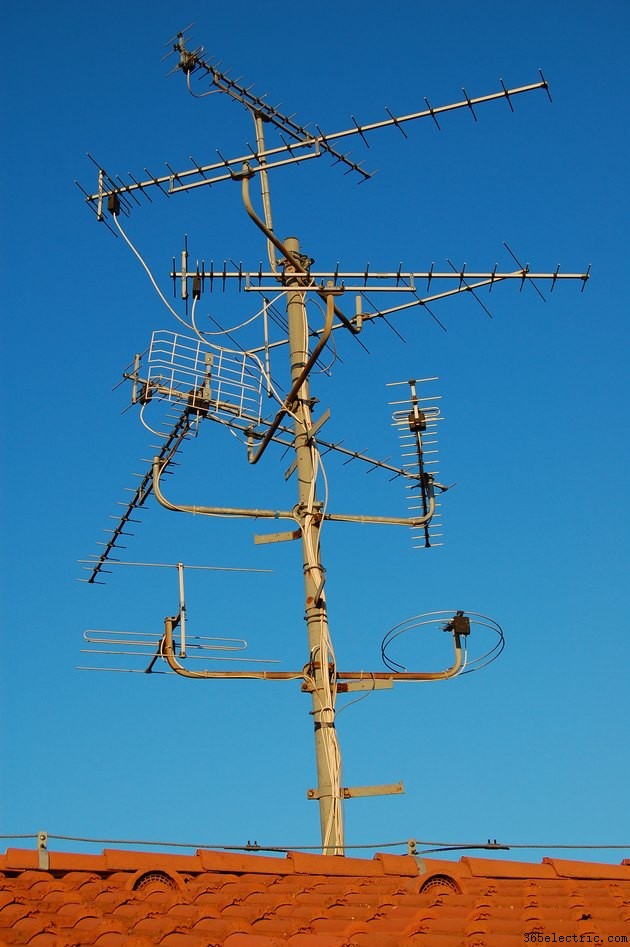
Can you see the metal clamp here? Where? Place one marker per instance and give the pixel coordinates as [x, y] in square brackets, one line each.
[42, 851]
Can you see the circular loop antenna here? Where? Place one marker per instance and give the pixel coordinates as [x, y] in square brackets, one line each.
[444, 620]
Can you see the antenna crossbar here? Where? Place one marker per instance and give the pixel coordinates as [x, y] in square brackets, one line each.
[367, 281]
[463, 287]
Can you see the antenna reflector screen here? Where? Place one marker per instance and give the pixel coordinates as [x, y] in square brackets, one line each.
[211, 379]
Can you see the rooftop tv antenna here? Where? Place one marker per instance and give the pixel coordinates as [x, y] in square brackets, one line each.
[204, 376]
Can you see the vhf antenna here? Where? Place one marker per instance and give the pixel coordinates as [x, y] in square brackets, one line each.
[232, 384]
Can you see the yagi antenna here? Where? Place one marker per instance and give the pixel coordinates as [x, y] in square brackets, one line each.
[416, 419]
[191, 61]
[172, 442]
[230, 376]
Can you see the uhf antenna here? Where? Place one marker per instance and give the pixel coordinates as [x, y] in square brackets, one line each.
[190, 377]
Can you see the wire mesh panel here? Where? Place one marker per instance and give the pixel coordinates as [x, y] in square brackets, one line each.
[210, 378]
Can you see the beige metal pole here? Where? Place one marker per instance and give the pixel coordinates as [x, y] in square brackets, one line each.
[322, 682]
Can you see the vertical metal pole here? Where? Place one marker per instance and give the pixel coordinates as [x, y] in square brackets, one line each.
[322, 685]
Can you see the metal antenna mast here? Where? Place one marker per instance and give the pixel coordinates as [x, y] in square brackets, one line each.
[205, 380]
[321, 678]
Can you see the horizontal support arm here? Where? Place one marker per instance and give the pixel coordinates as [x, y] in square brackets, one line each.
[167, 651]
[413, 522]
[236, 512]
[158, 469]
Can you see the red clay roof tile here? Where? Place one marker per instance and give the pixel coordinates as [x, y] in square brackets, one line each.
[43, 939]
[275, 926]
[122, 940]
[84, 922]
[487, 868]
[398, 865]
[367, 939]
[220, 928]
[184, 939]
[21, 860]
[215, 899]
[254, 940]
[185, 911]
[573, 869]
[28, 924]
[226, 862]
[249, 912]
[304, 939]
[304, 863]
[13, 912]
[71, 862]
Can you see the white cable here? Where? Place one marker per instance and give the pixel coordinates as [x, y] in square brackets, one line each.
[232, 431]
[465, 662]
[192, 319]
[148, 272]
[163, 434]
[326, 370]
[357, 699]
[145, 424]
[235, 328]
[199, 95]
[240, 353]
[194, 327]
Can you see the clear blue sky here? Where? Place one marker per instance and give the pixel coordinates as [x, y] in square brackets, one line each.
[533, 749]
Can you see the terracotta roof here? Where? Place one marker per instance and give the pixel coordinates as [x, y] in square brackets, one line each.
[140, 899]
